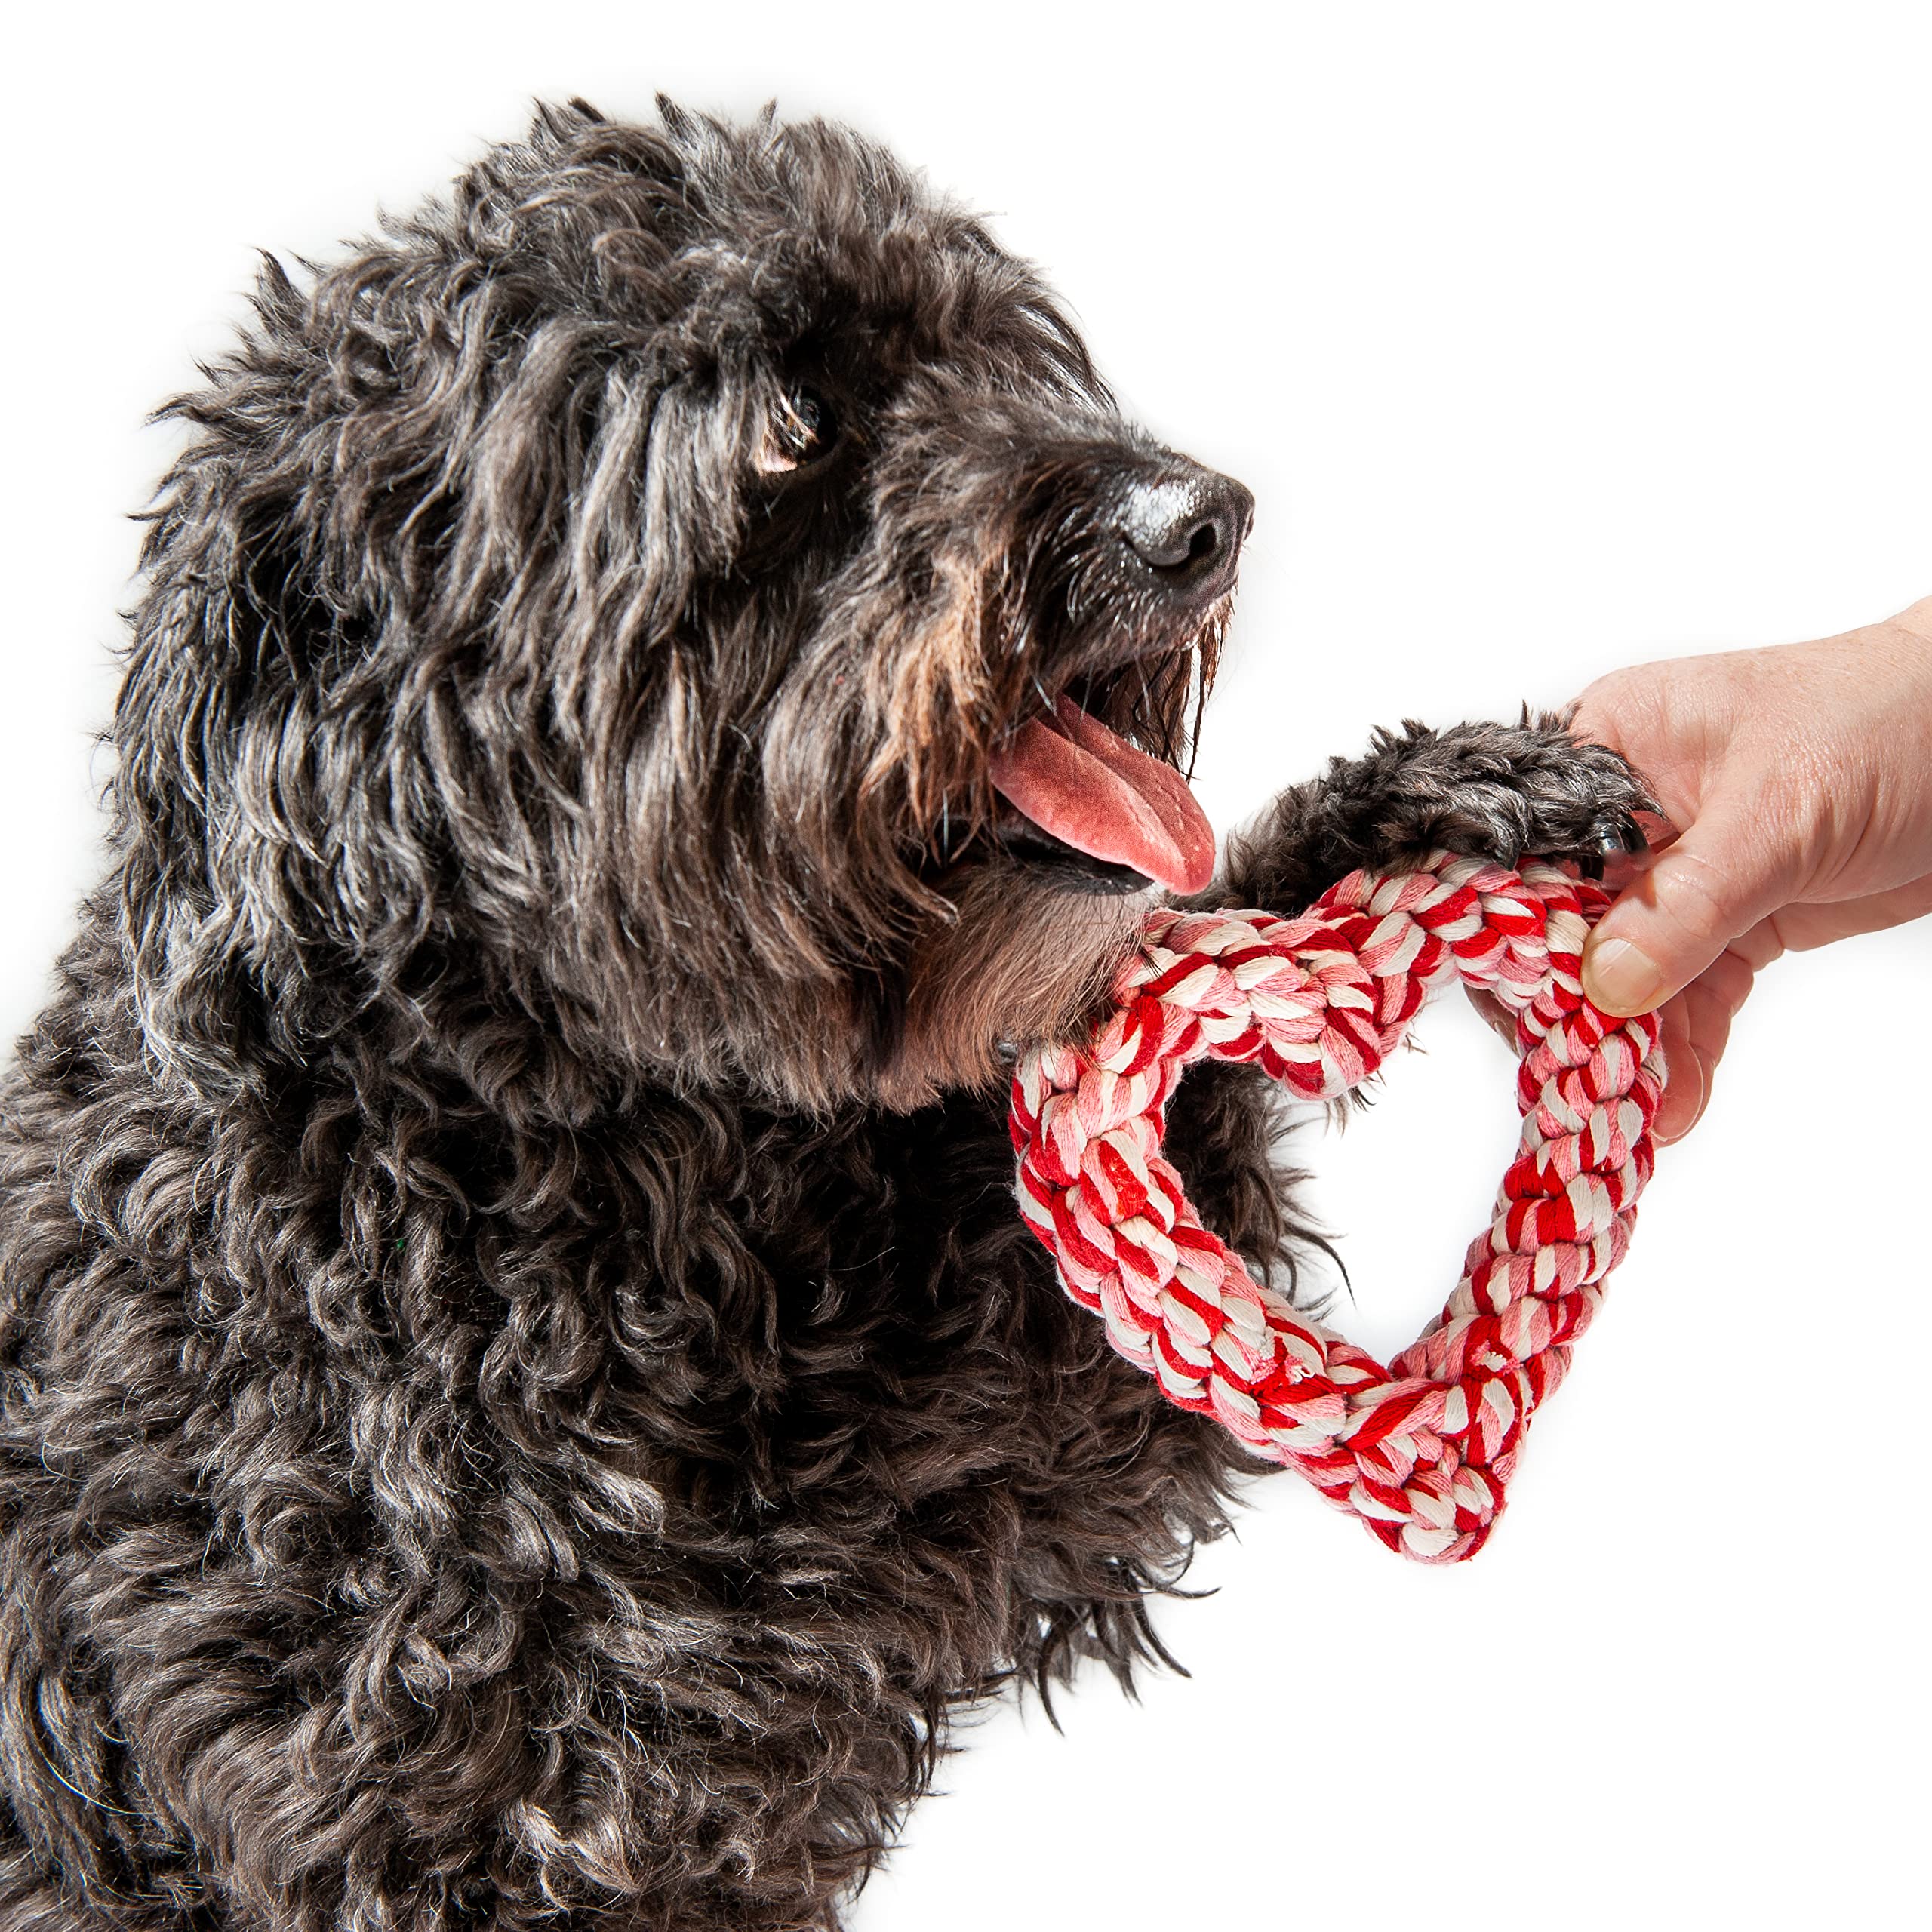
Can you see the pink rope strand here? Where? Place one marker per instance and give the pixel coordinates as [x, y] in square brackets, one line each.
[1421, 1449]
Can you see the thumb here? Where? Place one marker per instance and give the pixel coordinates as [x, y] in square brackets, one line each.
[1715, 883]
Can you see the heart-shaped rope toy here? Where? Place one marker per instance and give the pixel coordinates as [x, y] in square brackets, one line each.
[1422, 1449]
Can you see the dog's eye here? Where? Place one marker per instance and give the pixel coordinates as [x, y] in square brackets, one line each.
[804, 433]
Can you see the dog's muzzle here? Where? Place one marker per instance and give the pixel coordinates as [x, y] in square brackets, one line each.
[1176, 533]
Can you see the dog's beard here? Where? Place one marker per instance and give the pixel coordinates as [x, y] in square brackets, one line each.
[1037, 925]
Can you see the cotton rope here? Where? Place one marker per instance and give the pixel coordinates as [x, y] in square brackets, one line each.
[1422, 1449]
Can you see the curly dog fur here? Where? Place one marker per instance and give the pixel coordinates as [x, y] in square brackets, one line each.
[523, 1398]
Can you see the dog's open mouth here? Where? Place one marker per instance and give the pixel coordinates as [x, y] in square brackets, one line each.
[1086, 787]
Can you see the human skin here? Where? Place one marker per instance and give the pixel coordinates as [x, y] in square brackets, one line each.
[1798, 778]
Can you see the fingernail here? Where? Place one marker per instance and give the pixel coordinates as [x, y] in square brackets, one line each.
[1620, 979]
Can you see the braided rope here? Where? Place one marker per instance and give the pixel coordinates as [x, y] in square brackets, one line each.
[1423, 1448]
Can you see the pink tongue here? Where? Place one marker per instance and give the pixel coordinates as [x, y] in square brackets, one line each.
[1072, 777]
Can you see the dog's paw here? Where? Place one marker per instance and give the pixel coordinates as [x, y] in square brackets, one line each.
[1507, 792]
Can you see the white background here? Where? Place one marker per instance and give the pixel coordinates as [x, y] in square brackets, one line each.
[1549, 338]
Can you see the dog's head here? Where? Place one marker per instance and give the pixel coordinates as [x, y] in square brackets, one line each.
[690, 597]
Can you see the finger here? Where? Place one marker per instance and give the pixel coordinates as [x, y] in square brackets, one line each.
[1683, 1103]
[1762, 944]
[1496, 1015]
[1707, 1031]
[1714, 883]
[1722, 987]
[1696, 1029]
[1798, 928]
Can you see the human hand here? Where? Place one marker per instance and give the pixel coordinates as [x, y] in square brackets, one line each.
[1799, 778]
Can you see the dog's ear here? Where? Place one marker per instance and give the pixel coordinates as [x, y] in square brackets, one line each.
[235, 740]
[218, 878]
[401, 584]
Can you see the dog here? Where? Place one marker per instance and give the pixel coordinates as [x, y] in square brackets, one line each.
[526, 1400]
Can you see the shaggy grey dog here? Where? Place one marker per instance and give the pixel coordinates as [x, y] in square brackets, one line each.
[525, 1399]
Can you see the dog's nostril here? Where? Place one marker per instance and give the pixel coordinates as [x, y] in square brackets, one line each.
[1204, 542]
[1188, 529]
[1169, 547]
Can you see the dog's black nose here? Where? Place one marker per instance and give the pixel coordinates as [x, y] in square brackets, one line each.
[1188, 528]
